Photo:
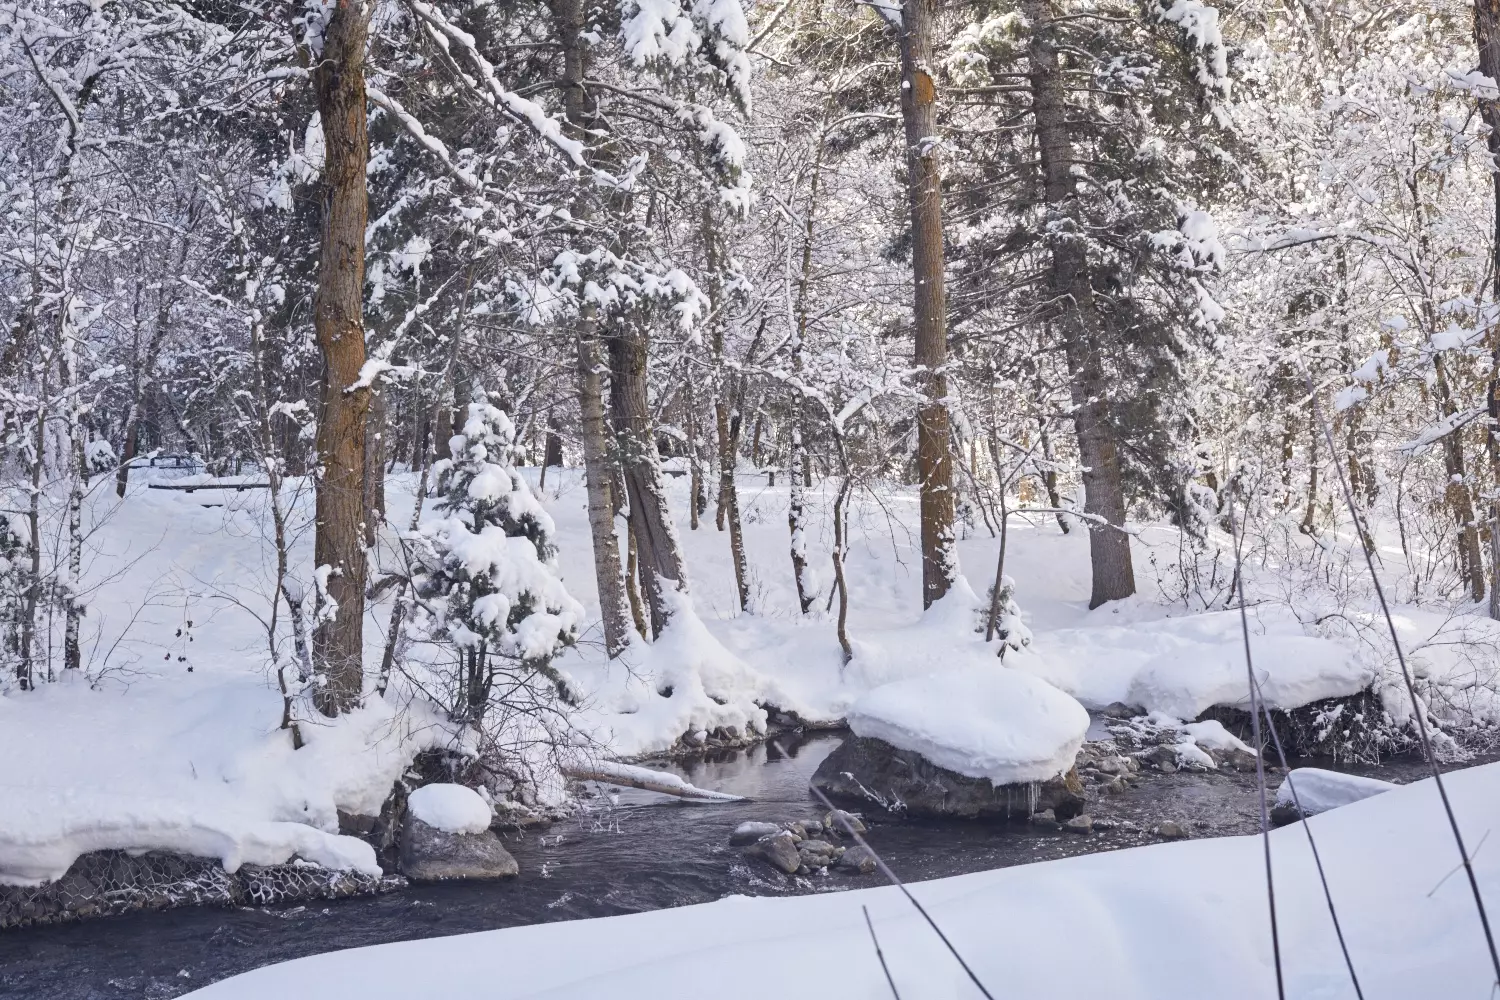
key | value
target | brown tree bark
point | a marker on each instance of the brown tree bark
(1069, 288)
(338, 318)
(924, 186)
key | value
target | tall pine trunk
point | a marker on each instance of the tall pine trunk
(338, 317)
(924, 185)
(1069, 286)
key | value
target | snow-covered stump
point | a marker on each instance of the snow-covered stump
(108, 883)
(987, 743)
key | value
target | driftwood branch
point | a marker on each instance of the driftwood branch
(644, 778)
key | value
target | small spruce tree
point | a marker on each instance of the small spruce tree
(486, 571)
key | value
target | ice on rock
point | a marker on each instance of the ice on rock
(450, 808)
(986, 722)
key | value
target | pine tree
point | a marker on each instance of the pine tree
(486, 569)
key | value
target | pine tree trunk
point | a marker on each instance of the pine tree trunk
(339, 79)
(1069, 285)
(924, 180)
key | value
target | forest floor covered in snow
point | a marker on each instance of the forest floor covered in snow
(181, 711)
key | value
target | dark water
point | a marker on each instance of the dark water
(630, 851)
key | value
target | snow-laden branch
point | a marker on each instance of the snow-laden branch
(1436, 432)
(446, 34)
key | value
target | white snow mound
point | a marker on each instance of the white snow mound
(1293, 671)
(1319, 790)
(450, 808)
(987, 722)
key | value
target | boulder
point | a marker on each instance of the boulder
(840, 822)
(857, 859)
(871, 771)
(779, 850)
(818, 853)
(1171, 830)
(429, 854)
(1082, 823)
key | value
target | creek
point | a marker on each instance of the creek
(627, 851)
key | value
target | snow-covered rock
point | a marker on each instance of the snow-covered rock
(1001, 725)
(429, 854)
(450, 808)
(1318, 790)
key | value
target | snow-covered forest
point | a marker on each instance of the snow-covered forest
(421, 420)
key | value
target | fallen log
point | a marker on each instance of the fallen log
(644, 778)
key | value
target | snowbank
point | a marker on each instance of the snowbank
(1185, 919)
(195, 766)
(1184, 666)
(1319, 790)
(985, 722)
(450, 808)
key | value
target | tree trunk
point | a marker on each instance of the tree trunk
(1487, 43)
(376, 430)
(650, 518)
(1069, 286)
(924, 186)
(1460, 502)
(338, 640)
(598, 466)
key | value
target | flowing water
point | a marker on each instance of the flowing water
(630, 851)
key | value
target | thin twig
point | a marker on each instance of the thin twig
(880, 954)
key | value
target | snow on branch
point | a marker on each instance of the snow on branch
(1199, 27)
(447, 35)
(1436, 432)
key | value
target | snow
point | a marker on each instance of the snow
(1184, 919)
(1319, 790)
(1212, 734)
(450, 808)
(196, 767)
(1182, 666)
(986, 722)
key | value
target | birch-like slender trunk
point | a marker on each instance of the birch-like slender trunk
(598, 463)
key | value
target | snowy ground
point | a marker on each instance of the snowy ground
(1174, 920)
(175, 743)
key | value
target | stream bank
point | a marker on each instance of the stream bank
(628, 851)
